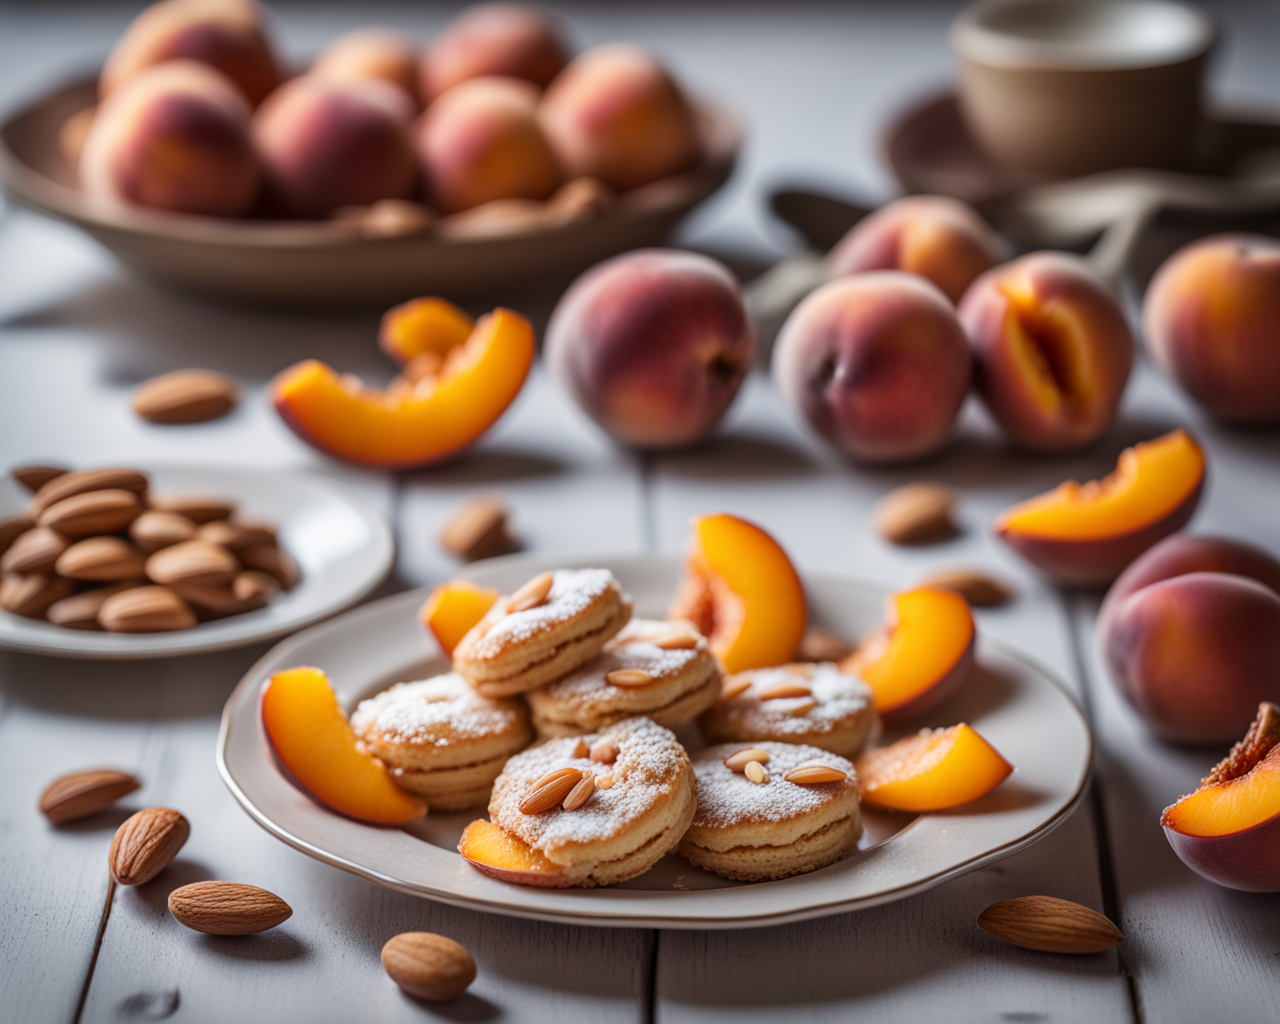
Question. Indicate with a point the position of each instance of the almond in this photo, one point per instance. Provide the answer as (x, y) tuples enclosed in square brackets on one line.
[(628, 677), (145, 610), (754, 771), (252, 585), (819, 645), (272, 560), (13, 528), (35, 477), (979, 589), (580, 793), (145, 843), (186, 396), (803, 708), (227, 908), (579, 199), (550, 790), (477, 530), (84, 793), (580, 749), (734, 686), (428, 966), (70, 484), (532, 595), (917, 514), (232, 534), (604, 750), (1049, 924), (152, 531), (782, 691), (199, 508), (32, 595), (101, 560), (194, 562), (80, 611), (683, 640), (216, 600), (814, 774), (36, 550), (91, 513), (738, 762)]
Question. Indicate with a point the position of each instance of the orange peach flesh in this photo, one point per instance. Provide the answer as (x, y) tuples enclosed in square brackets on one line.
[(453, 609), (423, 325), (496, 852), (313, 741), (931, 771), (1049, 344)]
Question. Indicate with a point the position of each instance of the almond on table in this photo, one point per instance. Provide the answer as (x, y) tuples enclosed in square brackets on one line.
[(186, 396)]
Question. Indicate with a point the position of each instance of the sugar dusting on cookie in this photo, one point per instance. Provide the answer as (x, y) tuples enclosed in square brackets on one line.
[(839, 695), (572, 592), (625, 651), (437, 711), (726, 797)]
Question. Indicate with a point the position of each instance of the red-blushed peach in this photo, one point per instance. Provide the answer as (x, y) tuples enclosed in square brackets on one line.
[(494, 39), (937, 237), (877, 363), (328, 144), (1052, 351), (175, 137), (653, 345), (370, 53), (481, 141), (226, 34), (1212, 322), (616, 115)]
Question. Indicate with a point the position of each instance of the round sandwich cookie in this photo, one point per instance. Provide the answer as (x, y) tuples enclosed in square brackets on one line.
[(600, 808), (771, 810), (554, 623), (813, 703), (661, 669), (441, 739)]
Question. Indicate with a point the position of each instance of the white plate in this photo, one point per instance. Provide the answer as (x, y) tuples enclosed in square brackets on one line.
[(1014, 703), (342, 544)]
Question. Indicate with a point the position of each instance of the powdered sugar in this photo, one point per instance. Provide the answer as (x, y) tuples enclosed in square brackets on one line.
[(840, 697), (434, 712), (572, 592), (729, 798), (626, 651)]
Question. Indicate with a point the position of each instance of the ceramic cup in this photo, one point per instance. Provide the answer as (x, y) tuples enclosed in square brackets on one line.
[(1069, 87)]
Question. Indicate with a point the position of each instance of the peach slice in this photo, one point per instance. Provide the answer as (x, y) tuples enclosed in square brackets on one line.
[(1228, 830), (931, 771), (1087, 533), (419, 326), (921, 654), (742, 593), (311, 737), (425, 422), (491, 849), (453, 608)]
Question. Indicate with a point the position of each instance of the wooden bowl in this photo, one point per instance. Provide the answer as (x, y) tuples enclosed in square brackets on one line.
[(330, 263)]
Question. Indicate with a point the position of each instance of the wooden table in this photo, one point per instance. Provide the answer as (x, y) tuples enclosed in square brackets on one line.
[(76, 334)]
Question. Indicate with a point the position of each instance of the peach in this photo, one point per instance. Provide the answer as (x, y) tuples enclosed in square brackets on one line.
[(940, 238), (481, 141), (1086, 534), (421, 327), (225, 34), (921, 654), (328, 144), (496, 852), (175, 137), (1212, 316), (931, 771), (438, 416), (312, 740), (494, 39), (453, 608), (742, 592), (653, 345), (1228, 830), (616, 115), (1052, 350), (877, 363), (370, 53)]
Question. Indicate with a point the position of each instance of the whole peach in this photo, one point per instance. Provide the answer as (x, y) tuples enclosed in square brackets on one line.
[(1212, 322), (653, 345), (615, 115), (877, 363), (226, 34), (937, 237), (175, 137), (370, 53), (494, 39), (328, 144), (481, 141)]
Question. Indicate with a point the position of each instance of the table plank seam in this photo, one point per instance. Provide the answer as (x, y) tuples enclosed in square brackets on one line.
[(97, 947)]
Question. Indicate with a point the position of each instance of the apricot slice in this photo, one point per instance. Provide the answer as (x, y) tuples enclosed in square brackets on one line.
[(453, 608), (423, 325), (742, 593), (429, 420), (312, 739), (1087, 533), (931, 771), (920, 656), (491, 849)]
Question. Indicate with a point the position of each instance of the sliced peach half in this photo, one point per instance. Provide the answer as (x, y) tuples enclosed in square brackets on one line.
[(1228, 830), (453, 608), (931, 771), (495, 851), (742, 593), (921, 654), (312, 740), (1086, 534), (418, 423), (422, 326)]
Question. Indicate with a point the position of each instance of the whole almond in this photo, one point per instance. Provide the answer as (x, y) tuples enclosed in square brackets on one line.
[(628, 677), (152, 531), (36, 550), (101, 560), (532, 595), (145, 610), (428, 966), (754, 771), (227, 908), (738, 762), (193, 562), (91, 513), (35, 477), (145, 843), (979, 589), (32, 595), (252, 585), (814, 774), (676, 640), (782, 691), (734, 686), (579, 199), (70, 484), (803, 708), (477, 530), (84, 793), (232, 534), (1049, 924), (604, 750), (186, 396), (13, 528), (272, 560), (199, 508), (215, 601), (580, 793), (80, 611), (917, 514), (550, 790), (819, 645)]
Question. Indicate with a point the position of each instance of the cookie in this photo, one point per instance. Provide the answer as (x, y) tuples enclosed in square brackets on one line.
[(813, 703), (664, 670), (754, 831), (441, 739), (554, 623)]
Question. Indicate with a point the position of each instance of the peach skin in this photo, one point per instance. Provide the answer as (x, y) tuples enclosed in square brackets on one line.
[(1086, 534), (494, 39), (427, 326), (931, 771), (1051, 348), (370, 53), (453, 608), (494, 851)]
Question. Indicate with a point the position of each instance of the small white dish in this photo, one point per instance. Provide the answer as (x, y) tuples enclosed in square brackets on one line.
[(342, 544), (1014, 703)]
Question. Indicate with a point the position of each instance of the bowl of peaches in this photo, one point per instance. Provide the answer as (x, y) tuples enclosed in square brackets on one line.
[(491, 160)]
